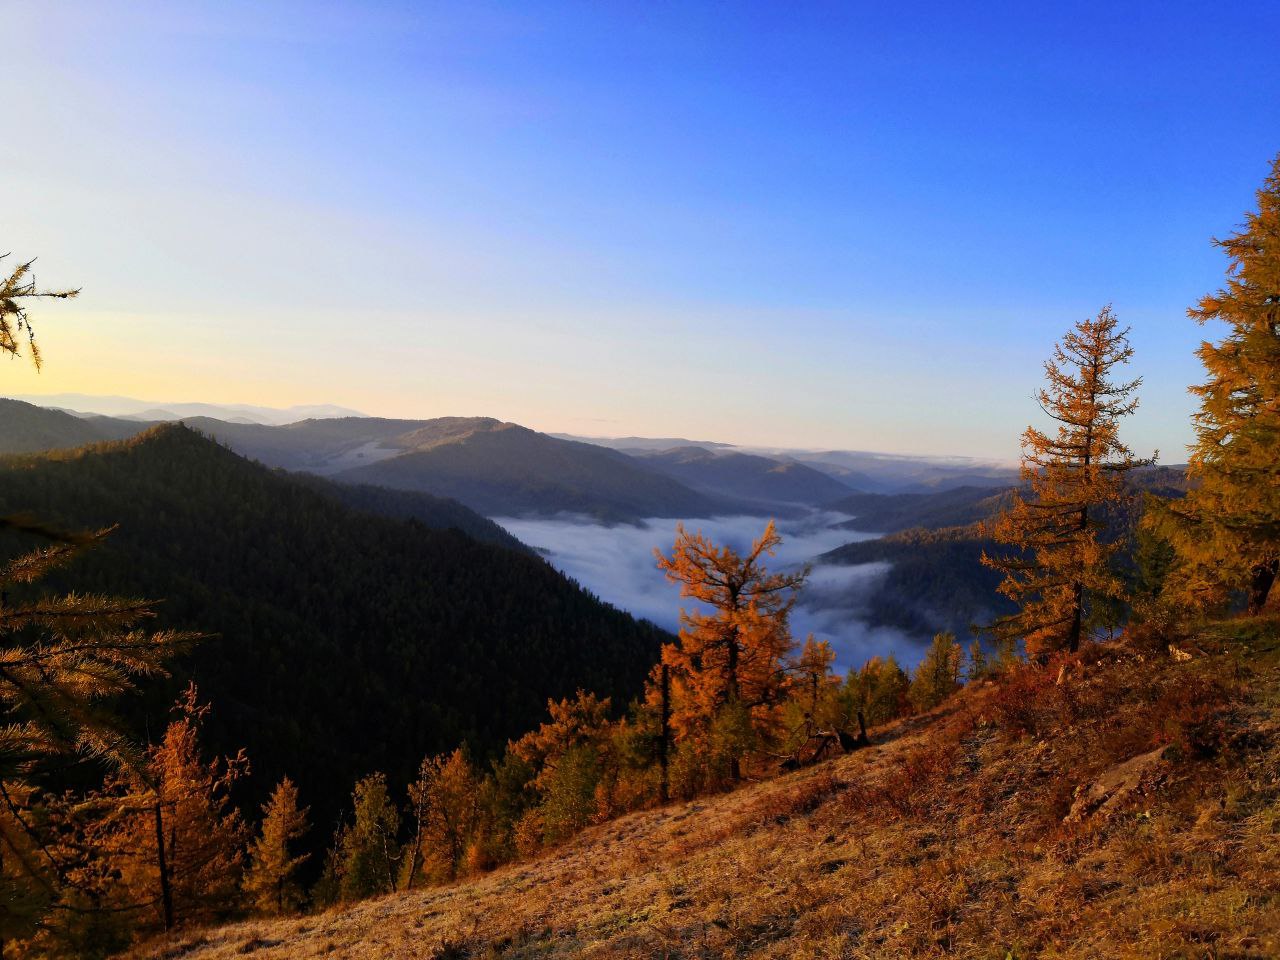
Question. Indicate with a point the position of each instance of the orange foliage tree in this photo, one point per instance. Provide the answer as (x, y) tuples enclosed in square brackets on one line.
[(729, 657), (1058, 522), (176, 839)]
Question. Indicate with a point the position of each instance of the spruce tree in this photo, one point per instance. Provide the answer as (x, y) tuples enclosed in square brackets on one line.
[(1073, 480), (1226, 530), (270, 881)]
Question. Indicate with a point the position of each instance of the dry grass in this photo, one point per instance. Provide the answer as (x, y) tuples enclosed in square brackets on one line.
[(946, 839)]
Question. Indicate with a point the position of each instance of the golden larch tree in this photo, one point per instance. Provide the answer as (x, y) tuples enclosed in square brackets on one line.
[(444, 801), (1226, 530), (270, 882), (1073, 483), (730, 655), (15, 326), (177, 838)]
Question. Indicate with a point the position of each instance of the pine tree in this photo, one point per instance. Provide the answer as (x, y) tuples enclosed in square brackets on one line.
[(1226, 530), (730, 658), (937, 675), (1058, 522), (271, 881)]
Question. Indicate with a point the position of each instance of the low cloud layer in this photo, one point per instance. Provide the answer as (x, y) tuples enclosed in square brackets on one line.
[(617, 564)]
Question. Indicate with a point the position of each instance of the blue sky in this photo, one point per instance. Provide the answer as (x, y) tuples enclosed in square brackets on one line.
[(857, 225)]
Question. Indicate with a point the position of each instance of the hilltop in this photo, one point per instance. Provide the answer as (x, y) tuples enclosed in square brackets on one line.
[(1124, 807)]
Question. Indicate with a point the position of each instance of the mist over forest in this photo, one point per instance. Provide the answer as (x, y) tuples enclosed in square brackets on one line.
[(616, 562)]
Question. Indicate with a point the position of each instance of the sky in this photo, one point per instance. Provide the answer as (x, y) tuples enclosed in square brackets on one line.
[(857, 225)]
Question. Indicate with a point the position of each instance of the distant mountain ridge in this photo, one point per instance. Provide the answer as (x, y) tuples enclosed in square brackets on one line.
[(500, 469), (151, 410), (745, 476)]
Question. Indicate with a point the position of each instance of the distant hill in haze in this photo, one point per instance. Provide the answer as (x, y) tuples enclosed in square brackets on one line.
[(131, 408), (894, 473), (504, 469), (859, 470), (643, 443), (745, 476), (341, 642)]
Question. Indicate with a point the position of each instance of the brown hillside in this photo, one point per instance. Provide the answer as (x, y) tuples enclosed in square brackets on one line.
[(1127, 807)]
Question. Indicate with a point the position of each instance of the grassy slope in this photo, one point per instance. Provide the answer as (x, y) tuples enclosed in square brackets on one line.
[(952, 836)]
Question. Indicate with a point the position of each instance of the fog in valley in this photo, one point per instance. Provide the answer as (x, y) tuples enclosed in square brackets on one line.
[(617, 563)]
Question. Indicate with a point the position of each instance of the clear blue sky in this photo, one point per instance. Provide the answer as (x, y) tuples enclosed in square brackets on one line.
[(858, 225)]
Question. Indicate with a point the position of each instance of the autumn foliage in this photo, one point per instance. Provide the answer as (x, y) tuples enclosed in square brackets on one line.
[(1061, 567)]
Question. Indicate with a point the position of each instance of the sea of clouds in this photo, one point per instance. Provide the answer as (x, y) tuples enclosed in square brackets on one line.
[(617, 564)]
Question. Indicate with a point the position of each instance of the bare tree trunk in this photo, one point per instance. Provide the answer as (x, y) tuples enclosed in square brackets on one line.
[(664, 735), (166, 891)]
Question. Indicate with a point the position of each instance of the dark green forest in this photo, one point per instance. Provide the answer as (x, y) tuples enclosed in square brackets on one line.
[(339, 642)]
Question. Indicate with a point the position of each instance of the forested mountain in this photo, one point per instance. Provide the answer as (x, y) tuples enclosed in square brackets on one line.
[(437, 513), (505, 469), (935, 580), (890, 512), (341, 642), (26, 428), (745, 476), (315, 446), (934, 543)]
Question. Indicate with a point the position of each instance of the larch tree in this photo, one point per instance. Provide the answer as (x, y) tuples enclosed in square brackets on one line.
[(177, 838), (879, 690), (270, 882), (1226, 530), (16, 290), (937, 676), (368, 849), (444, 800), (729, 658), (811, 679), (1073, 481)]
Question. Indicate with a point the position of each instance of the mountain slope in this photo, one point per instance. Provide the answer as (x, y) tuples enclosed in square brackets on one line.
[(26, 428), (935, 580), (745, 476), (344, 642), (891, 512), (977, 832), (505, 469)]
